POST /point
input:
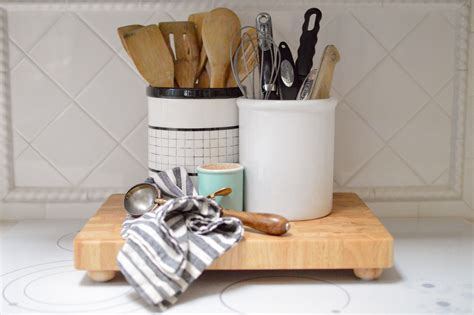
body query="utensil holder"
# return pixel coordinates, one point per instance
(287, 149)
(191, 127)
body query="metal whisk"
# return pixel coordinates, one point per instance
(256, 63)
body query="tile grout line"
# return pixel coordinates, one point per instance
(72, 98)
(132, 131)
(30, 59)
(31, 144)
(387, 51)
(437, 94)
(440, 175)
(398, 132)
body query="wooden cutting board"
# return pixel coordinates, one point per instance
(351, 237)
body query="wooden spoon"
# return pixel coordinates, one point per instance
(220, 36)
(322, 86)
(151, 56)
(245, 65)
(272, 224)
(186, 49)
(126, 29)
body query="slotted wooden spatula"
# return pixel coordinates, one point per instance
(186, 49)
(126, 29)
(151, 55)
(220, 37)
(322, 86)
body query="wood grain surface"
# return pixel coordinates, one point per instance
(351, 237)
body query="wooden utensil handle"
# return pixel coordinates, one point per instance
(272, 224)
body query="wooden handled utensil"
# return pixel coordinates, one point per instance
(268, 223)
(220, 37)
(203, 80)
(197, 19)
(186, 57)
(149, 52)
(146, 197)
(322, 86)
(126, 29)
(247, 57)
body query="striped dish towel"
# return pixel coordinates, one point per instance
(169, 248)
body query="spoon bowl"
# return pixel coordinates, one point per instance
(141, 199)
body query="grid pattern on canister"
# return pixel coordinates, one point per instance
(191, 148)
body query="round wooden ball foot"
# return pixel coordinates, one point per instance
(368, 273)
(101, 276)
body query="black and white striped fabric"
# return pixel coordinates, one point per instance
(167, 249)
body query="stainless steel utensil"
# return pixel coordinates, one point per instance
(267, 72)
(142, 198)
(146, 197)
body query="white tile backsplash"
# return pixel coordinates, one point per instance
(381, 98)
(427, 52)
(71, 53)
(74, 143)
(37, 99)
(424, 142)
(79, 106)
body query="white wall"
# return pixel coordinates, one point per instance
(79, 110)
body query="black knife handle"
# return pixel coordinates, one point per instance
(307, 47)
(287, 91)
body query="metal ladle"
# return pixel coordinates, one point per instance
(146, 197)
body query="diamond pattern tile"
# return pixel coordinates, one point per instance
(445, 97)
(428, 54)
(135, 143)
(31, 170)
(106, 23)
(118, 170)
(71, 53)
(443, 179)
(27, 27)
(355, 144)
(359, 51)
(116, 98)
(387, 98)
(393, 56)
(425, 138)
(384, 22)
(384, 170)
(74, 144)
(19, 144)
(37, 102)
(15, 54)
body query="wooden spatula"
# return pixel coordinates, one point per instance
(203, 80)
(197, 19)
(186, 50)
(126, 29)
(220, 36)
(151, 56)
(322, 86)
(245, 65)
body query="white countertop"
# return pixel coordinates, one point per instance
(433, 273)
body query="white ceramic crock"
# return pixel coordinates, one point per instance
(193, 129)
(287, 149)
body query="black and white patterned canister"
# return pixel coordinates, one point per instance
(189, 128)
